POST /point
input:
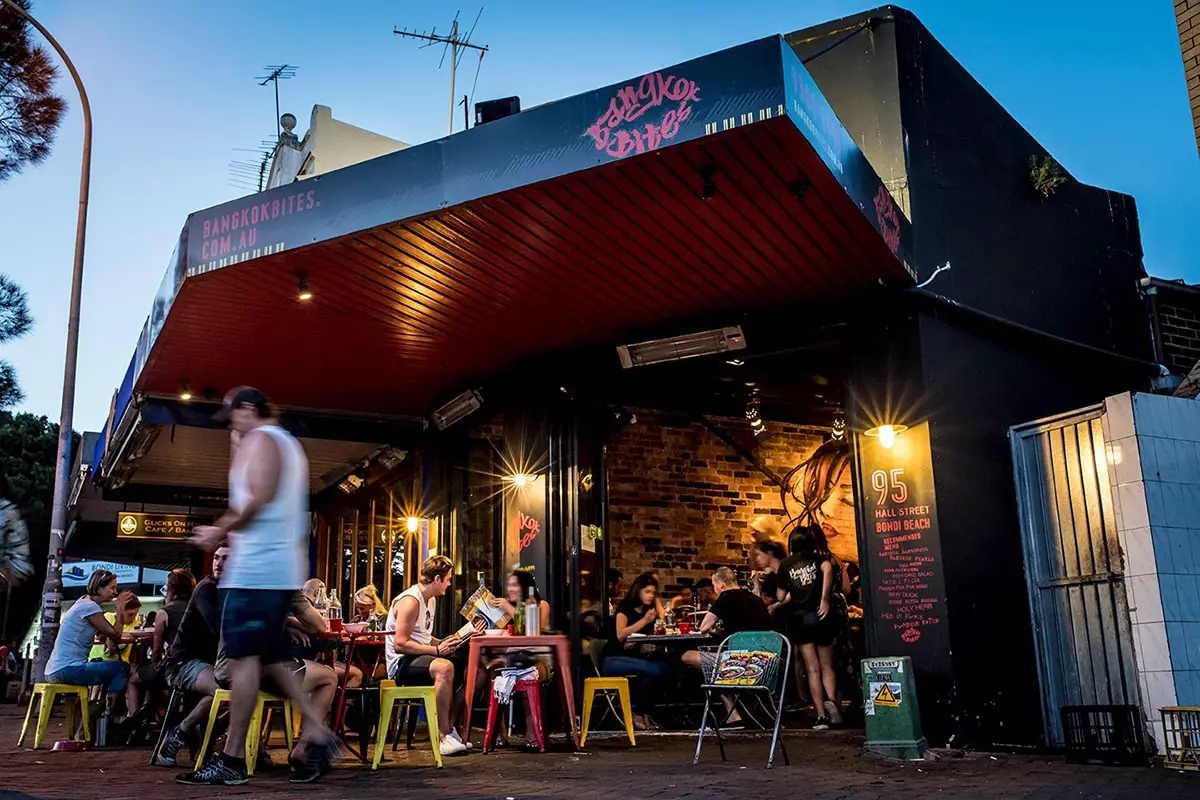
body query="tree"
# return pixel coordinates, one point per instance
(30, 111)
(15, 322)
(28, 447)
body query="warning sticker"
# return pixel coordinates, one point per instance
(885, 695)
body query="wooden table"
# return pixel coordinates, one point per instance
(562, 655)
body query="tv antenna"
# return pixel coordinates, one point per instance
(278, 72)
(453, 44)
(251, 175)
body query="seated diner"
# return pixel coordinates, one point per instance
(83, 622)
(636, 615)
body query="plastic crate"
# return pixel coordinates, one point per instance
(1181, 737)
(1104, 735)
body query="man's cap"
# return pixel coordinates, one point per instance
(242, 395)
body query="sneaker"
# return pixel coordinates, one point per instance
(822, 724)
(318, 760)
(454, 735)
(221, 771)
(173, 742)
(452, 746)
(834, 712)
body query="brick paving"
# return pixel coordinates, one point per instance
(823, 766)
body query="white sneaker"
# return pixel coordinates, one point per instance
(454, 734)
(452, 746)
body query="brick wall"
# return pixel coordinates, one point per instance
(1187, 15)
(681, 502)
(1179, 327)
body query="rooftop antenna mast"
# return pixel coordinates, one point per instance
(453, 43)
(278, 72)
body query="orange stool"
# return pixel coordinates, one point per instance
(533, 695)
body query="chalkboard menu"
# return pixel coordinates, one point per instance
(907, 608)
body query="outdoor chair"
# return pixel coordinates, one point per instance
(605, 687)
(749, 663)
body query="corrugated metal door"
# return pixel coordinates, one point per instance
(1073, 565)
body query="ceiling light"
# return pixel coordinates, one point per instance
(457, 409)
(303, 293)
(413, 524)
(705, 343)
(839, 427)
(185, 391)
(736, 362)
(887, 434)
(520, 480)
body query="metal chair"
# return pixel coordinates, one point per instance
(606, 688)
(769, 681)
(174, 706)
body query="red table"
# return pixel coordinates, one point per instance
(562, 655)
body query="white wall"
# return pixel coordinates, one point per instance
(1153, 446)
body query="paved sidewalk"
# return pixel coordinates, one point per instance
(823, 766)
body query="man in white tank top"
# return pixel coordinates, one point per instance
(267, 530)
(416, 658)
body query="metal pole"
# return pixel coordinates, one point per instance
(52, 589)
(453, 70)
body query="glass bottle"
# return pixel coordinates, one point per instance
(335, 608)
(533, 615)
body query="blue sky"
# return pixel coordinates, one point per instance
(1099, 83)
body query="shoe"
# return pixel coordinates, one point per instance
(822, 724)
(833, 712)
(221, 771)
(173, 742)
(454, 735)
(451, 745)
(319, 759)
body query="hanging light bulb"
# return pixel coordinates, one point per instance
(887, 434)
(303, 293)
(185, 391)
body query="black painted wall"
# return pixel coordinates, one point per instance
(1067, 264)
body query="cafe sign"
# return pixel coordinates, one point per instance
(136, 525)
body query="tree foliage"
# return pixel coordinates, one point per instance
(15, 321)
(28, 446)
(30, 111)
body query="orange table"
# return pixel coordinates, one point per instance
(562, 655)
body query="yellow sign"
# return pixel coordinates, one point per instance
(886, 697)
(135, 525)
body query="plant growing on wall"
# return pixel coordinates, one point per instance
(1046, 174)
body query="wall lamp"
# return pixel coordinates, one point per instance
(185, 391)
(886, 434)
(413, 524)
(303, 293)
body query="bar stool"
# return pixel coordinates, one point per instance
(256, 730)
(604, 686)
(389, 694)
(533, 695)
(46, 694)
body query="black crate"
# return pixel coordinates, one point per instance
(1105, 735)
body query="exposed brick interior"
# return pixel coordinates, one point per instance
(681, 501)
(1178, 316)
(1187, 15)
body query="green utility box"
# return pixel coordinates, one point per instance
(890, 703)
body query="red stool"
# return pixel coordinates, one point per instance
(533, 696)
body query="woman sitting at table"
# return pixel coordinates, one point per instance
(368, 608)
(516, 592)
(636, 615)
(84, 621)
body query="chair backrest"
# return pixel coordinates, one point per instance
(768, 667)
(596, 654)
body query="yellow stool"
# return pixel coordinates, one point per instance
(619, 685)
(255, 732)
(389, 693)
(48, 692)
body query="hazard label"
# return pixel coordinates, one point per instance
(887, 695)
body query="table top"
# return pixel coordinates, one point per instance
(139, 635)
(362, 637)
(669, 638)
(519, 641)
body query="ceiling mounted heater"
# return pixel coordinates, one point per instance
(457, 409)
(705, 343)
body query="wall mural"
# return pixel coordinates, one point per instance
(813, 493)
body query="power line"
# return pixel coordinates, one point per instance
(454, 43)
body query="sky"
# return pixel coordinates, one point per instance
(174, 100)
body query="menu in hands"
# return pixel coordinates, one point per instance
(479, 608)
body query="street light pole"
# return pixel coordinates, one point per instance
(52, 590)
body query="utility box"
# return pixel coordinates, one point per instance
(890, 705)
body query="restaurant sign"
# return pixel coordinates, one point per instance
(136, 525)
(903, 547)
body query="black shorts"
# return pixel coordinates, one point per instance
(252, 623)
(414, 670)
(808, 628)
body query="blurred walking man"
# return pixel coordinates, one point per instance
(267, 529)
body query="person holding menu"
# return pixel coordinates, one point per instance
(415, 657)
(806, 588)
